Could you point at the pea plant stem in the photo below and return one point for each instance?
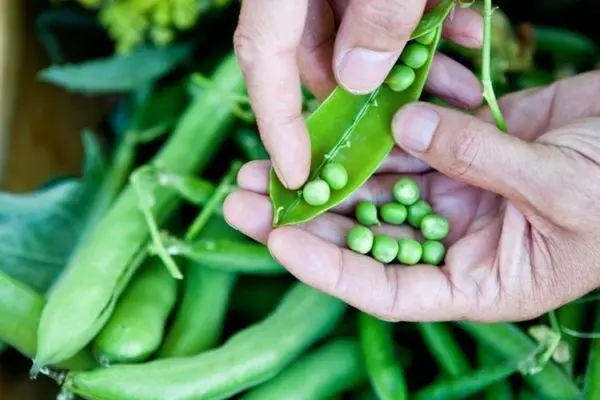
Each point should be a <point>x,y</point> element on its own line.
<point>488,87</point>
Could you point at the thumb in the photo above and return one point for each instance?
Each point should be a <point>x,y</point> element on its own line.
<point>475,152</point>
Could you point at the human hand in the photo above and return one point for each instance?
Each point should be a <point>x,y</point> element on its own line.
<point>279,44</point>
<point>523,209</point>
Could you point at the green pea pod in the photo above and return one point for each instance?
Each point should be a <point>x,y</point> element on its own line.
<point>500,390</point>
<point>84,297</point>
<point>344,128</point>
<point>249,358</point>
<point>224,255</point>
<point>20,310</point>
<point>592,373</point>
<point>136,327</point>
<point>328,371</point>
<point>199,321</point>
<point>573,317</point>
<point>442,344</point>
<point>384,370</point>
<point>508,341</point>
<point>465,386</point>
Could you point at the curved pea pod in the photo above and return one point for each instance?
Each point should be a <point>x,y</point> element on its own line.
<point>198,323</point>
<point>249,358</point>
<point>465,386</point>
<point>85,295</point>
<point>353,131</point>
<point>135,329</point>
<point>20,310</point>
<point>443,346</point>
<point>501,390</point>
<point>383,368</point>
<point>328,371</point>
<point>240,256</point>
<point>508,341</point>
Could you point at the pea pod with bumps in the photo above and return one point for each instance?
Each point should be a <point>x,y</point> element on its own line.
<point>105,262</point>
<point>345,126</point>
<point>249,358</point>
<point>135,329</point>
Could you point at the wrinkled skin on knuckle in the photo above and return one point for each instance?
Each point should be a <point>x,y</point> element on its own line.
<point>388,21</point>
<point>464,150</point>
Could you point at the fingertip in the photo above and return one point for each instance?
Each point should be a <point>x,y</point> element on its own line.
<point>454,83</point>
<point>249,213</point>
<point>254,176</point>
<point>465,28</point>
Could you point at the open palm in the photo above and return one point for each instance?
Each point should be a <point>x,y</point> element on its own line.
<point>517,247</point>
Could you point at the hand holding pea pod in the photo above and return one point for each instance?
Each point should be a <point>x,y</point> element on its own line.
<point>280,45</point>
<point>516,247</point>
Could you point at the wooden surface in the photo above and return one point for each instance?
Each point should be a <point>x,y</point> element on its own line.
<point>43,122</point>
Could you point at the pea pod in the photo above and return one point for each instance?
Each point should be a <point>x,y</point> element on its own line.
<point>345,127</point>
<point>135,329</point>
<point>508,341</point>
<point>442,344</point>
<point>467,385</point>
<point>249,358</point>
<point>224,255</point>
<point>328,371</point>
<point>592,373</point>
<point>111,252</point>
<point>254,297</point>
<point>20,310</point>
<point>500,390</point>
<point>384,370</point>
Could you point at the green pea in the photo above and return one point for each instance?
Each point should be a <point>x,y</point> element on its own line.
<point>417,212</point>
<point>385,248</point>
<point>406,191</point>
<point>335,175</point>
<point>427,39</point>
<point>400,78</point>
<point>435,227</point>
<point>394,213</point>
<point>409,251</point>
<point>433,252</point>
<point>415,55</point>
<point>360,239</point>
<point>316,193</point>
<point>366,213</point>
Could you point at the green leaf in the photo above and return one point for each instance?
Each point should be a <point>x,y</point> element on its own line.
<point>39,230</point>
<point>119,73</point>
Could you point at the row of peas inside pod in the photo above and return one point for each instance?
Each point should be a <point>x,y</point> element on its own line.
<point>334,176</point>
<point>407,209</point>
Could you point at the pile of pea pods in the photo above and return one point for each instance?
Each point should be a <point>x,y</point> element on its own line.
<point>162,300</point>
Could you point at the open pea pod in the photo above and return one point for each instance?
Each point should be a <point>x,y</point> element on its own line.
<point>355,131</point>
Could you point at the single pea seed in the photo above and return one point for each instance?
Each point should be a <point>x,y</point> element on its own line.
<point>410,251</point>
<point>426,39</point>
<point>406,191</point>
<point>316,192</point>
<point>435,227</point>
<point>400,78</point>
<point>417,212</point>
<point>415,55</point>
<point>335,175</point>
<point>360,239</point>
<point>385,248</point>
<point>366,213</point>
<point>394,213</point>
<point>433,252</point>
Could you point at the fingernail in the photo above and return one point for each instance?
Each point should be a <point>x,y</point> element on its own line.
<point>414,128</point>
<point>362,70</point>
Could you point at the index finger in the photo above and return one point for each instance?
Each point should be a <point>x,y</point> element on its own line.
<point>265,42</point>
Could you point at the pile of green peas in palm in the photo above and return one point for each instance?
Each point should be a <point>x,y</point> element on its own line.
<point>408,208</point>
